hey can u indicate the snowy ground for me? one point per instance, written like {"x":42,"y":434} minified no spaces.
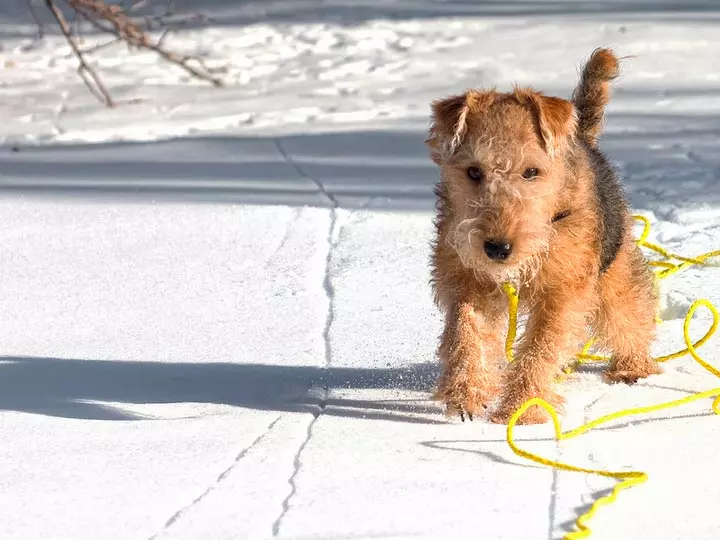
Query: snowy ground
{"x":214,"y":313}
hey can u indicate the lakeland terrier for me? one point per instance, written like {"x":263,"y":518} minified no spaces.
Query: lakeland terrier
{"x":526,"y":196}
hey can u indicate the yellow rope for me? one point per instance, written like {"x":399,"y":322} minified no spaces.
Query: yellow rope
{"x":512,"y":295}
{"x":668,"y":268}
{"x":626,"y":479}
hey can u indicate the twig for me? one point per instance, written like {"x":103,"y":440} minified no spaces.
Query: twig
{"x":87,"y":73}
{"x":123,"y":27}
{"x":115,"y":20}
{"x":101,"y":46}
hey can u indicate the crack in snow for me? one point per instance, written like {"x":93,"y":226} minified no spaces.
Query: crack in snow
{"x":694,"y":158}
{"x":332,"y":239}
{"x":297,"y":463}
{"x":321,"y":188}
{"x":284,"y":239}
{"x":553,"y":495}
{"x":177,"y":515}
{"x":555,"y":479}
{"x":586,"y":410}
{"x":321,"y":391}
{"x":328,"y":287}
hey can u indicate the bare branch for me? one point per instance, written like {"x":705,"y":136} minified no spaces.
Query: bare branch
{"x":136,"y":5}
{"x":101,"y":46}
{"x":123,"y":27}
{"x":86,"y":72}
{"x":115,"y":20}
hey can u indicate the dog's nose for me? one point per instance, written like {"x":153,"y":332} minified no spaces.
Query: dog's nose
{"x":497,"y":250}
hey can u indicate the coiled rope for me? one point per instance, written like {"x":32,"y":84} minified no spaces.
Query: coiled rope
{"x":627,"y":479}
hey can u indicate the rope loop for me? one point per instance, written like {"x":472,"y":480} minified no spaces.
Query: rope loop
{"x":626,"y":479}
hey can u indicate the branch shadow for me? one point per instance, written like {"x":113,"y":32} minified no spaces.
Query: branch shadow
{"x":233,"y":12}
{"x":388,"y":169}
{"x":660,"y":157}
{"x":15,"y":17}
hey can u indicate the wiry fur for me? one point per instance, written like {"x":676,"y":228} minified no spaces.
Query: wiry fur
{"x":593,"y":93}
{"x":573,"y":258}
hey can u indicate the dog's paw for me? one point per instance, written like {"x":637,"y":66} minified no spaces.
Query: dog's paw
{"x":631,"y":376}
{"x":464,"y":402}
{"x":534,"y":415}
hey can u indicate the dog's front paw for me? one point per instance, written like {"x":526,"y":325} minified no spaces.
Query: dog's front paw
{"x":466,"y":401}
{"x":534,"y":415}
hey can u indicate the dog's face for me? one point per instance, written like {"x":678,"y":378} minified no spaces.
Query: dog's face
{"x":502,"y":160}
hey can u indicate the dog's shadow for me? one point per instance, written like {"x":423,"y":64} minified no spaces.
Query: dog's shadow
{"x":91,"y":389}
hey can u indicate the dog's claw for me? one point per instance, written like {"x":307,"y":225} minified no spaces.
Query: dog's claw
{"x":462,"y":415}
{"x":470,"y":416}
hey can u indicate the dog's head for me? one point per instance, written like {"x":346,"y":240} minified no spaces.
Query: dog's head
{"x":503,"y":165}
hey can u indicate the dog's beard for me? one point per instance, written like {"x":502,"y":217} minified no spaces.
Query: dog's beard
{"x":531,"y":247}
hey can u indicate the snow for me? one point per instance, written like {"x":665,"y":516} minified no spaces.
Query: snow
{"x":215,"y":314}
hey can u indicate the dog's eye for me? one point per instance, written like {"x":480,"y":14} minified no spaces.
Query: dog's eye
{"x":530,"y":173}
{"x":475,"y":174}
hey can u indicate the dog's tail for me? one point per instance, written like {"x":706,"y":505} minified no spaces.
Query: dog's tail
{"x":593,"y":93}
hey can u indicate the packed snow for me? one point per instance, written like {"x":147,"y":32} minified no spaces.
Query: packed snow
{"x":215,"y":317}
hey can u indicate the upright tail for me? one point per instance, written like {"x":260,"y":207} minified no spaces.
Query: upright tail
{"x":593,"y":93}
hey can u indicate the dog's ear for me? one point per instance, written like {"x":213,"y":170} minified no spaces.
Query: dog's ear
{"x":450,"y":122}
{"x":557,"y":121}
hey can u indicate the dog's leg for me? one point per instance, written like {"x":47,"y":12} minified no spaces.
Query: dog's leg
{"x":554,"y":328}
{"x":469,"y":347}
{"x":626,"y":319}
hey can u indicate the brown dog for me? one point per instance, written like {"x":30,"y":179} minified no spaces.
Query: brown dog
{"x":525,"y":196}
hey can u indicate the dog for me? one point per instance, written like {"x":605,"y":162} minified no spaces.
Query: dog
{"x":526,"y":196}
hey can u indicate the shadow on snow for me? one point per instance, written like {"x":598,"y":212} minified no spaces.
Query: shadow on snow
{"x":662,"y":159}
{"x":91,"y":389}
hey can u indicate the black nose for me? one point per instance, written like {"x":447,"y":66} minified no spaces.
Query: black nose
{"x":497,"y":250}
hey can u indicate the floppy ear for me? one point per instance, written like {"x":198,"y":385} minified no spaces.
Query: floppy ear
{"x":557,"y":120}
{"x":449,"y":122}
{"x":451,"y":117}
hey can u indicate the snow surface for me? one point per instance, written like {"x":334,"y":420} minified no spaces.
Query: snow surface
{"x":214,"y":313}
